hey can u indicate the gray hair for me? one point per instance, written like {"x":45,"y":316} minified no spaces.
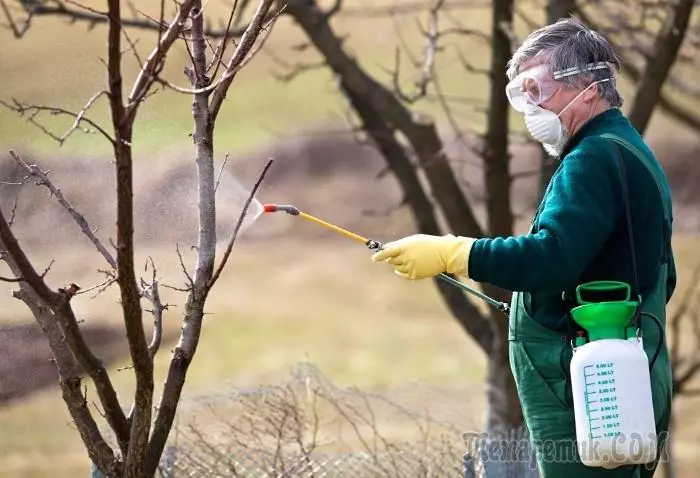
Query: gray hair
{"x":569,"y":43}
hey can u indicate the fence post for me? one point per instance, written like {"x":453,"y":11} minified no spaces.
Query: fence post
{"x":509,"y":455}
{"x":169,"y":459}
{"x":95,"y":472}
{"x":469,"y":471}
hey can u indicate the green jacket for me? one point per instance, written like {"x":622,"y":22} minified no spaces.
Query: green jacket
{"x":579,"y":233}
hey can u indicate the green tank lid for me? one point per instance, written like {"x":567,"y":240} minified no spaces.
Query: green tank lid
{"x":605,"y":309}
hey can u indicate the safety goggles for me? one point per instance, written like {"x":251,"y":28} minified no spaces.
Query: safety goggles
{"x":531,"y":87}
{"x":535,"y":86}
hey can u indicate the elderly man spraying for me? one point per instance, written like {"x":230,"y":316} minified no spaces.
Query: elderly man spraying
{"x":605,"y":216}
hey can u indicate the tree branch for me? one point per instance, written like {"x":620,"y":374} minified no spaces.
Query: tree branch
{"x":244,"y":47}
{"x":59,"y":303}
{"x":70,"y":382}
{"x":93,"y":17}
{"x":42,"y":179}
{"x":668,"y":43}
{"x":432,"y":36}
{"x":122,"y":121}
{"x":204,"y":113}
{"x":293,"y":70}
{"x":154,"y":63}
{"x":34,"y":110}
{"x":152,"y":293}
{"x":671,"y":107}
{"x":221,"y":47}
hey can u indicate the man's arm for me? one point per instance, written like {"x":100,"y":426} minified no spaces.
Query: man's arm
{"x":579,"y":214}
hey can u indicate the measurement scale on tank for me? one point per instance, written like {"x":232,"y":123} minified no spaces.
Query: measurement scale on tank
{"x":601,"y":399}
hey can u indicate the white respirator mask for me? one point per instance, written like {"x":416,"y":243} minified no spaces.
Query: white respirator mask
{"x":529,"y":89}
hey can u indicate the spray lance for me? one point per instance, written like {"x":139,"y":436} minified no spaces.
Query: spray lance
{"x":376,"y":246}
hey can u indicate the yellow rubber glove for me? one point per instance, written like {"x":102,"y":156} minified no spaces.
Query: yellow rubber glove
{"x":421,"y":255}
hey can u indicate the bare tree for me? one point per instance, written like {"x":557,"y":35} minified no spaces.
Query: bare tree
{"x":649,"y":53}
{"x":140,"y":433}
{"x":387,"y":118}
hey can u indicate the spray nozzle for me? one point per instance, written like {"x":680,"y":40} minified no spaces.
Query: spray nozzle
{"x":292,"y":210}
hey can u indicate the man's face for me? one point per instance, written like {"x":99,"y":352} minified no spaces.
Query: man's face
{"x":558,"y":94}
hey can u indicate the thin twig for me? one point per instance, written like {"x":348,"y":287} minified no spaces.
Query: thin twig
{"x":18,"y":32}
{"x":293,"y":70}
{"x":101,"y":287}
{"x":190,"y":282}
{"x":11,"y":279}
{"x":221,"y":171}
{"x":81,"y":114}
{"x":236,"y":230}
{"x":221,"y":47}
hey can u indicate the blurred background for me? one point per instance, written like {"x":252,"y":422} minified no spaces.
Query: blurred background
{"x":296,"y":297}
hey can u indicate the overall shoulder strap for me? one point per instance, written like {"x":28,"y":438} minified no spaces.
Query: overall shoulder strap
{"x":652,"y":169}
{"x":648,"y":164}
{"x":628,"y":217}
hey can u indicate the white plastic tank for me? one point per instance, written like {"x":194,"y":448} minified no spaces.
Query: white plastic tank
{"x":610,"y":380}
{"x":613,"y":404}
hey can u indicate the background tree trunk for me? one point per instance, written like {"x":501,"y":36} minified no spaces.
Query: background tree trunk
{"x":668,"y":43}
{"x":503,"y":411}
{"x":556,"y":9}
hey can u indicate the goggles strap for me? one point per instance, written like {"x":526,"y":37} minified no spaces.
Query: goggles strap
{"x":575,"y":70}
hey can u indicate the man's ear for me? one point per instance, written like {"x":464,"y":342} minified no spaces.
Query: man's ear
{"x":591,"y":94}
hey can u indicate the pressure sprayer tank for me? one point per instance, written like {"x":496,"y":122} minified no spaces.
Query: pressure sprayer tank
{"x":611,"y":382}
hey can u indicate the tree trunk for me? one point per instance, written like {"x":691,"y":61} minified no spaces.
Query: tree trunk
{"x":503,"y":413}
{"x":556,"y":9}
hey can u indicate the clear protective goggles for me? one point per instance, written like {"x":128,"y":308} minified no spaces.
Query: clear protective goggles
{"x":535,"y":86}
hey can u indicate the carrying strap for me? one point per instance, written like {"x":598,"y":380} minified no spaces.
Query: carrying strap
{"x":653,"y":171}
{"x":630,"y":231}
{"x":648,"y":163}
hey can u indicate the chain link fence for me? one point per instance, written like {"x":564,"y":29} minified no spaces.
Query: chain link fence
{"x":309,"y":427}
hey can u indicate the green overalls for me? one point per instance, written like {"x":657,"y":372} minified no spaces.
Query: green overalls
{"x":540,"y":358}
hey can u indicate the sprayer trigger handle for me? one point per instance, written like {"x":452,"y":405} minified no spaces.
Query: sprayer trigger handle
{"x":374,"y":245}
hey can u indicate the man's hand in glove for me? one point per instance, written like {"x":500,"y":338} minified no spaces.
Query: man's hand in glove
{"x":420,"y":255}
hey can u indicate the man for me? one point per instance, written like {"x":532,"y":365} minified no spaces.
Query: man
{"x":563,"y":81}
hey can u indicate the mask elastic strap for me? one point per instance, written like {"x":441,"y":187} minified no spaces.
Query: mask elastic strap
{"x":582,"y":92}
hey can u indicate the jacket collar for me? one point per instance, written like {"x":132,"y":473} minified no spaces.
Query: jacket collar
{"x":592,"y":127}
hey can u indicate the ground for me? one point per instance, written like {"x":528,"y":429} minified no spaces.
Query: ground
{"x":292,"y":293}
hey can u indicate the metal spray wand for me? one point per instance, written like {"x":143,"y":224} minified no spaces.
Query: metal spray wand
{"x":376,"y":245}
